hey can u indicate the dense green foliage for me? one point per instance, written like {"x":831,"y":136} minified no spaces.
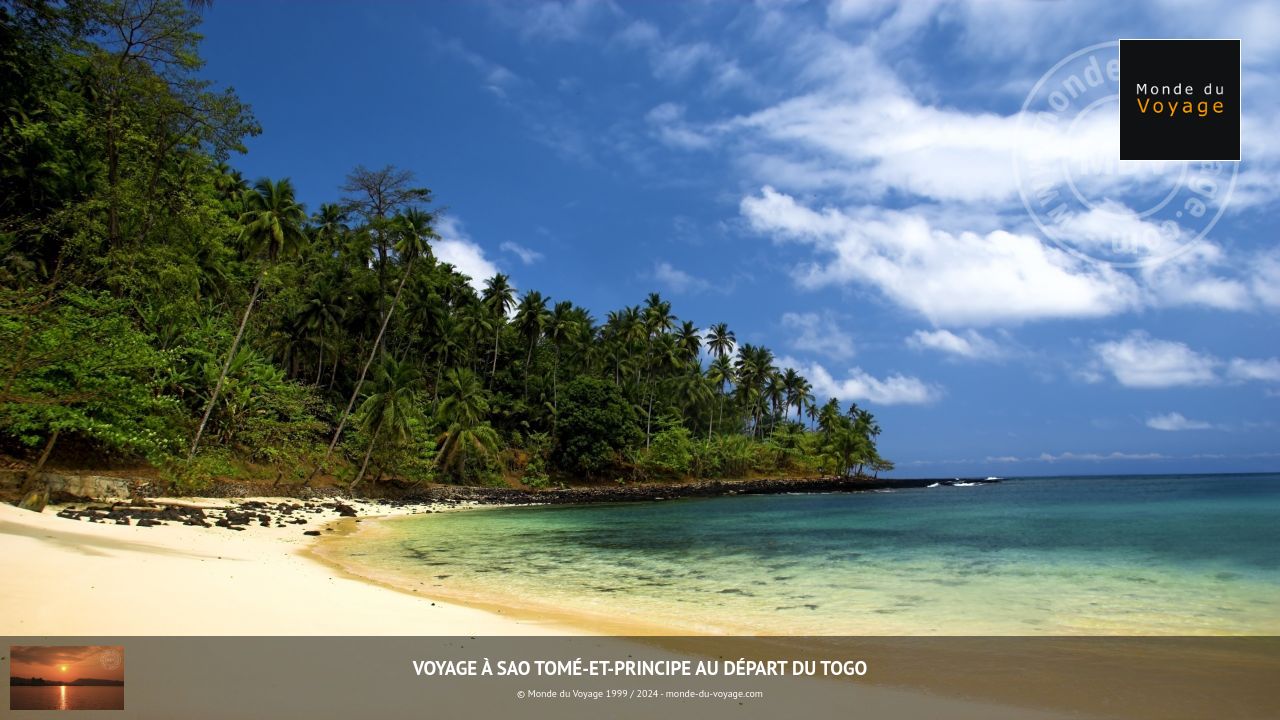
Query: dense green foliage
{"x":595,"y":426}
{"x":154,"y":305}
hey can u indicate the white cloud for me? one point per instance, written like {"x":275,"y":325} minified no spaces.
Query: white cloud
{"x":1265,"y":280}
{"x":949,"y":278}
{"x":677,"y":280}
{"x":892,"y":142}
{"x":1141,"y":361}
{"x":1049,"y":457}
{"x":819,"y":334}
{"x":496,"y":78}
{"x":456,"y":248}
{"x":1174,"y":421}
{"x":667,"y":121}
{"x":859,"y":386}
{"x":528,"y":256}
{"x":1244,"y":370}
{"x":559,"y":20}
{"x":970,"y":344}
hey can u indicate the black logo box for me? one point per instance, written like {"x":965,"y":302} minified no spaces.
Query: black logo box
{"x":1185,"y":67}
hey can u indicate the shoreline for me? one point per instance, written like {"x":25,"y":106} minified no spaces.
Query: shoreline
{"x":99,"y":579}
{"x":322,"y":550}
{"x":72,"y":487}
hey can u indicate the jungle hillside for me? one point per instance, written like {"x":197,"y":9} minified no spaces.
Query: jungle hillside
{"x":159,"y":310}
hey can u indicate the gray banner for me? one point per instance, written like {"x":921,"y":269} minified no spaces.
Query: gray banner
{"x":693,"y":677}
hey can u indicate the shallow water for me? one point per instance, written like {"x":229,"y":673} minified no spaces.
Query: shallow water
{"x":1165,"y":555}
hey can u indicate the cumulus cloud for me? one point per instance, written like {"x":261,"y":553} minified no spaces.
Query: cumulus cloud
{"x":970,"y":344}
{"x":819,"y":334}
{"x":860,"y":386}
{"x":1174,"y":421}
{"x":455,"y":247}
{"x":1141,"y":361}
{"x":949,"y":278}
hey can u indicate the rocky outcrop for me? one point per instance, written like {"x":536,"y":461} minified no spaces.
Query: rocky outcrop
{"x":91,"y":487}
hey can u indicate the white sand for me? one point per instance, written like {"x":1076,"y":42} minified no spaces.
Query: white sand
{"x":72,"y":577}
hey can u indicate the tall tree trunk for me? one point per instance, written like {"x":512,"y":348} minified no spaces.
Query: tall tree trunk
{"x":355,"y":391}
{"x":528,"y":359}
{"x":320,"y":361}
{"x":555,"y":390}
{"x":648,"y":419}
{"x":226,"y":366}
{"x":367,"y":454}
{"x":493,"y":371}
{"x":113,"y":177}
{"x":35,"y":495}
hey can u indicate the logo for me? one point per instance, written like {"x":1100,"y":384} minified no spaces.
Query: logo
{"x":1083,"y":196}
{"x":109,"y":658}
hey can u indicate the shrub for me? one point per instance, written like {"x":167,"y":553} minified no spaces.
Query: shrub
{"x":595,"y":426}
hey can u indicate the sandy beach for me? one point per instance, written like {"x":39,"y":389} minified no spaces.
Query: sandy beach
{"x":78,"y":578}
{"x":66,"y":577}
{"x":73,"y":577}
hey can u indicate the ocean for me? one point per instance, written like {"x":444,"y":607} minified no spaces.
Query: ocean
{"x":66,"y":697}
{"x":1116,"y":555}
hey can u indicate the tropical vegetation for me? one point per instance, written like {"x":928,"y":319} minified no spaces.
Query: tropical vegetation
{"x":158,"y":307}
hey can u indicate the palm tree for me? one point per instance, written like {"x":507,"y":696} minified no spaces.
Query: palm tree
{"x":775,"y":393}
{"x":690,"y":342}
{"x":531,"y":318}
{"x":657,"y":315}
{"x":321,"y":316}
{"x":561,"y":327}
{"x":720,"y":373}
{"x":463,"y":410}
{"x":330,"y":228}
{"x":272,"y":227}
{"x":413,"y":231}
{"x":392,"y":407}
{"x":720,"y":340}
{"x":499,"y":297}
{"x":664,"y":357}
{"x":754,"y":364}
{"x":802,"y":397}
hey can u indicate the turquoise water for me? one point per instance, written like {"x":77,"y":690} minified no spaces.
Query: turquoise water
{"x":1167,"y":555}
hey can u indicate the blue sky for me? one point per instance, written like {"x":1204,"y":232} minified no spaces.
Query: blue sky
{"x":834,"y":180}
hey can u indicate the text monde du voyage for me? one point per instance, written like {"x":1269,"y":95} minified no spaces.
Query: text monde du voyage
{"x":1180,"y":99}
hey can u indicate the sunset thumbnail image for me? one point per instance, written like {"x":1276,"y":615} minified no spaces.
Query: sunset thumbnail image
{"x":66,"y":677}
